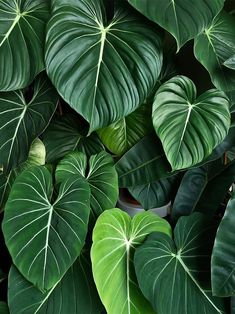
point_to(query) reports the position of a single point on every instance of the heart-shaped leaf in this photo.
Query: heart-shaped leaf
(65, 134)
(184, 19)
(23, 25)
(125, 133)
(100, 174)
(223, 268)
(189, 127)
(36, 157)
(214, 46)
(103, 69)
(21, 121)
(44, 236)
(115, 238)
(175, 275)
(74, 294)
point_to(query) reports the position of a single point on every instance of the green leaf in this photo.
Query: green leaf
(213, 47)
(223, 268)
(175, 276)
(115, 238)
(36, 156)
(3, 308)
(125, 133)
(22, 36)
(232, 305)
(21, 121)
(184, 19)
(110, 66)
(154, 194)
(189, 127)
(74, 294)
(45, 233)
(144, 163)
(230, 62)
(100, 174)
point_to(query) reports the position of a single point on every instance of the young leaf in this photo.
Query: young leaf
(21, 121)
(189, 127)
(109, 66)
(184, 19)
(45, 236)
(23, 26)
(214, 46)
(175, 275)
(115, 238)
(100, 175)
(223, 268)
(74, 294)
(64, 135)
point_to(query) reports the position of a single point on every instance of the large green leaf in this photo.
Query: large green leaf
(144, 163)
(155, 194)
(115, 238)
(214, 46)
(65, 134)
(3, 308)
(74, 294)
(223, 267)
(189, 127)
(175, 275)
(184, 19)
(36, 156)
(125, 133)
(103, 69)
(22, 35)
(45, 233)
(100, 174)
(21, 121)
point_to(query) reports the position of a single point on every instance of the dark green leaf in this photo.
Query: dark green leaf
(3, 308)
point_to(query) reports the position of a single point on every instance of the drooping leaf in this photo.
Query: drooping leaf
(21, 121)
(103, 69)
(175, 275)
(100, 174)
(115, 238)
(214, 46)
(189, 127)
(184, 19)
(125, 133)
(36, 156)
(45, 233)
(144, 163)
(3, 308)
(64, 134)
(22, 35)
(223, 268)
(154, 194)
(75, 293)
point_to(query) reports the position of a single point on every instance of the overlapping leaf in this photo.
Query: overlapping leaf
(21, 121)
(115, 238)
(189, 127)
(103, 69)
(45, 233)
(22, 36)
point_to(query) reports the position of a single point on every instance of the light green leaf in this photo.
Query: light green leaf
(65, 134)
(123, 134)
(184, 19)
(100, 174)
(175, 276)
(115, 238)
(109, 66)
(22, 121)
(144, 163)
(189, 127)
(45, 233)
(223, 268)
(22, 36)
(36, 156)
(214, 46)
(74, 294)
